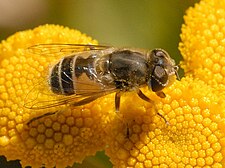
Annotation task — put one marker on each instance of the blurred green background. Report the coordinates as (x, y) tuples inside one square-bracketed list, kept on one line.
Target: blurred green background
[(123, 23)]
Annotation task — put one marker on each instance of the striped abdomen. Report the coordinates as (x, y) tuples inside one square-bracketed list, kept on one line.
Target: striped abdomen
[(64, 74)]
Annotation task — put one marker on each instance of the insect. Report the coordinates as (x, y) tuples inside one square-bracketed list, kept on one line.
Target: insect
[(87, 72)]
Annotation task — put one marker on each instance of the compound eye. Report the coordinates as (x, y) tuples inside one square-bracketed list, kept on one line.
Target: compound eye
[(159, 56), (160, 53), (159, 79)]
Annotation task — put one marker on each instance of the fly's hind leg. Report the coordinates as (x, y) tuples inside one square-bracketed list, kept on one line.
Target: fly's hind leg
[(86, 100), (42, 116)]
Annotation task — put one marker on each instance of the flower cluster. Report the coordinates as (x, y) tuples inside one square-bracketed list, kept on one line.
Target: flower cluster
[(203, 41), (136, 136), (60, 139)]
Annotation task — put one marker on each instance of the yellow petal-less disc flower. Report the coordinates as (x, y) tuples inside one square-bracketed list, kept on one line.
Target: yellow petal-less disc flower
[(203, 41), (194, 137), (60, 139), (136, 136)]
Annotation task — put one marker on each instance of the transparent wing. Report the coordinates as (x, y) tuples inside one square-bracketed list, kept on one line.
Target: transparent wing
[(41, 96), (57, 49)]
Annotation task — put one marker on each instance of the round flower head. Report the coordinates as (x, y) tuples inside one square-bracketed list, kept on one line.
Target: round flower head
[(194, 136), (184, 129), (203, 42), (57, 140)]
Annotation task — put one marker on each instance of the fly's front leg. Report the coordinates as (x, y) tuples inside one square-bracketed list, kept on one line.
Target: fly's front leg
[(161, 94), (167, 122), (117, 101), (144, 97)]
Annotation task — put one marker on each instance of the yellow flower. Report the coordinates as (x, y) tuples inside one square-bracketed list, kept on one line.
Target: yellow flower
[(61, 139), (136, 136), (203, 41), (194, 137)]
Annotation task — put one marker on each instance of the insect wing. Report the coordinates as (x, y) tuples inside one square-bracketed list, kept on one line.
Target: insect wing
[(41, 96), (57, 49)]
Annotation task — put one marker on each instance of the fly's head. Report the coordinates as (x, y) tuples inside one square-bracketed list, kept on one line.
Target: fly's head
[(162, 69)]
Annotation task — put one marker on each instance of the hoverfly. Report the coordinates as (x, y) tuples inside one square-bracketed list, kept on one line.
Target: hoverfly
[(87, 72)]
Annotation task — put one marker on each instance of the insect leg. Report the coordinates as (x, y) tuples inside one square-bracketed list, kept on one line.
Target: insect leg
[(87, 100), (167, 122), (142, 96), (161, 94), (41, 116), (117, 101), (128, 132), (176, 72)]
